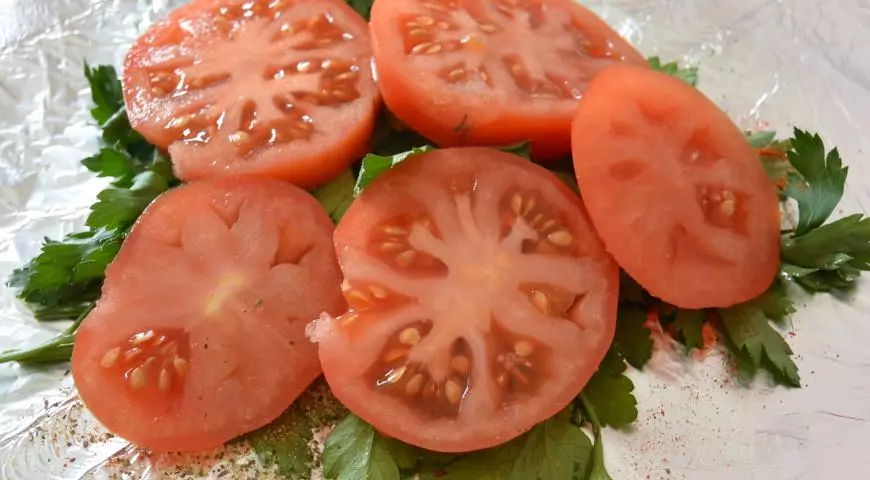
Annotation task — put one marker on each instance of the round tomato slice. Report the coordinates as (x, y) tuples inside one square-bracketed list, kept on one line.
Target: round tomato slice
[(274, 87), (200, 332), (676, 192), (491, 72), (481, 300)]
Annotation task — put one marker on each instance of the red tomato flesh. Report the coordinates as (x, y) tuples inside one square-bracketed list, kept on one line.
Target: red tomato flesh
[(199, 334), (491, 72), (676, 192), (481, 300), (263, 86)]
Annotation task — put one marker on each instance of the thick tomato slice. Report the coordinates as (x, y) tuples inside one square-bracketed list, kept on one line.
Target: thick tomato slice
[(481, 300), (675, 190), (275, 87), (200, 333), (491, 72)]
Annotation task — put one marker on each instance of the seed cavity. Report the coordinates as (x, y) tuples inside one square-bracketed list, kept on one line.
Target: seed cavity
[(394, 354)]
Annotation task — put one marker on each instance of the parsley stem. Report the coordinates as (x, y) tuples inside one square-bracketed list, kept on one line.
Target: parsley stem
[(590, 413), (58, 349)]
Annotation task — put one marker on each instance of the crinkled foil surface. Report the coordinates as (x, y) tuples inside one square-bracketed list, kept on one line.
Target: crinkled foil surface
[(797, 62)]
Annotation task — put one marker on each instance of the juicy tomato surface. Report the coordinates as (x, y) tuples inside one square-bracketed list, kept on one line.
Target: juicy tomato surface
[(481, 300), (199, 334), (491, 72), (676, 192), (274, 87)]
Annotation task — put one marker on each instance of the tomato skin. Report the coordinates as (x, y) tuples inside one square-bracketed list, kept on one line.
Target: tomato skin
[(649, 191), (243, 360), (340, 137), (344, 354), (451, 117)]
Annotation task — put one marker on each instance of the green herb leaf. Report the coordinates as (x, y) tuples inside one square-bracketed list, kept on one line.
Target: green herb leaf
[(392, 137), (112, 163), (597, 470), (819, 182), (688, 74), (363, 7), (555, 449), (120, 207), (106, 92), (633, 340), (609, 393), (355, 451), (755, 341), (522, 149), (374, 165), (337, 195), (845, 241), (286, 442), (689, 325)]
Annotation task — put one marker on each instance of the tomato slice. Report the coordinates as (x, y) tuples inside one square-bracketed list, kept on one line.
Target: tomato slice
[(481, 300), (262, 86), (675, 190), (200, 332), (491, 72)]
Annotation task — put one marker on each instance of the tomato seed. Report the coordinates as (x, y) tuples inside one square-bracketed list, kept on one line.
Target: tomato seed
[(727, 207), (137, 379), (180, 365), (517, 203), (410, 336), (378, 292), (540, 301), (394, 230), (132, 354), (419, 48), (460, 364), (452, 391), (487, 28), (239, 137), (560, 238), (405, 258), (395, 375), (414, 385), (395, 354), (523, 348), (426, 21), (163, 382), (110, 357)]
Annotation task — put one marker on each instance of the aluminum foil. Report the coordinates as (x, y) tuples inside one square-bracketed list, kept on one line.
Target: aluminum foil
[(779, 63)]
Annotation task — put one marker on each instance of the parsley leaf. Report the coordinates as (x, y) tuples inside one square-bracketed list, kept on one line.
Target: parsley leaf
[(522, 149), (106, 92), (818, 184), (363, 7), (756, 344), (119, 207), (355, 451), (374, 165), (286, 442), (609, 393), (555, 449), (688, 74), (632, 339), (337, 195), (689, 325), (830, 257)]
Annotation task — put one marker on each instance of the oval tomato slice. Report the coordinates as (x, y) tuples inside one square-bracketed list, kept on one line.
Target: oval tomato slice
[(262, 86), (491, 72), (481, 300), (676, 192), (199, 334)]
